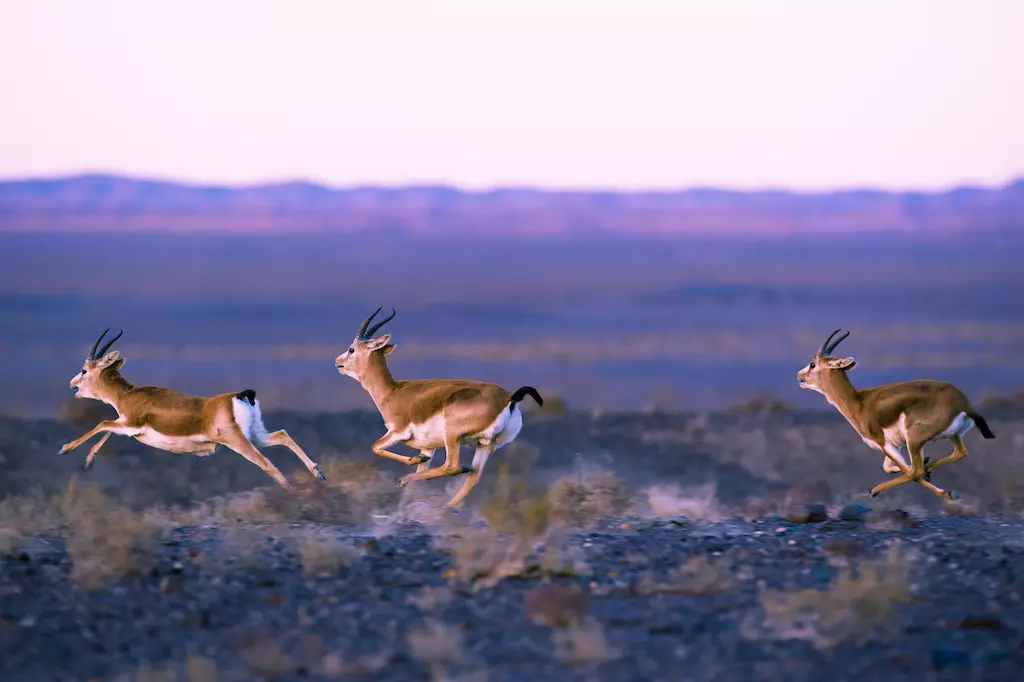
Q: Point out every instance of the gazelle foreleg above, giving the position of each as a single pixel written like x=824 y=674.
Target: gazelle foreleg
x=96 y=448
x=425 y=464
x=282 y=438
x=915 y=473
x=381 y=445
x=106 y=425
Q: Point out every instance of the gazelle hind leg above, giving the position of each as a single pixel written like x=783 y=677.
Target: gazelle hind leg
x=240 y=444
x=480 y=457
x=959 y=452
x=282 y=438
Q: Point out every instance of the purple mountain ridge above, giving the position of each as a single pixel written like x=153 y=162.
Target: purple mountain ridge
x=108 y=202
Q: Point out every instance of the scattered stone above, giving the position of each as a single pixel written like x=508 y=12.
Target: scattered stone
x=806 y=493
x=980 y=623
x=891 y=519
x=171 y=584
x=942 y=658
x=808 y=513
x=556 y=606
x=854 y=512
x=843 y=548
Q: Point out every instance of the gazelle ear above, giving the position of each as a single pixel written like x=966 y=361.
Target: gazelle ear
x=378 y=343
x=841 y=363
x=386 y=350
x=108 y=359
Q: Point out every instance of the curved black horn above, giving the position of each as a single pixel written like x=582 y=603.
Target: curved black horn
x=108 y=344
x=374 y=328
x=366 y=323
x=830 y=345
x=92 y=353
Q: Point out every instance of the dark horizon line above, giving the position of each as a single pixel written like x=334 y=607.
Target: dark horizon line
x=1012 y=182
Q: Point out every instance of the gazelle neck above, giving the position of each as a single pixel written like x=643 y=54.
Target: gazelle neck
x=378 y=381
x=841 y=394
x=115 y=387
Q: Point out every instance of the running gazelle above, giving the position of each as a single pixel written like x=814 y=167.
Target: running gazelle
x=896 y=418
x=176 y=422
x=432 y=413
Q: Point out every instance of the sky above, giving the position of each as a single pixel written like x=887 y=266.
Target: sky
x=644 y=94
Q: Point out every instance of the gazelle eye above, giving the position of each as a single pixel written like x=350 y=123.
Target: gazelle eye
x=351 y=350
x=810 y=366
x=83 y=371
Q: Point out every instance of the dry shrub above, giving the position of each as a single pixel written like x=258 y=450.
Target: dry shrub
x=105 y=540
x=556 y=606
x=554 y=407
x=438 y=645
x=583 y=644
x=11 y=541
x=352 y=492
x=761 y=405
x=519 y=539
x=323 y=553
x=581 y=500
x=517 y=508
x=432 y=598
x=696 y=577
x=241 y=508
x=35 y=512
x=670 y=500
x=856 y=608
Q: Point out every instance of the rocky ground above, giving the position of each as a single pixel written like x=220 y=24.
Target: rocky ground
x=638 y=600
x=736 y=546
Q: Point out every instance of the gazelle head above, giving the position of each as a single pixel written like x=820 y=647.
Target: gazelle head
x=365 y=350
x=823 y=368
x=89 y=381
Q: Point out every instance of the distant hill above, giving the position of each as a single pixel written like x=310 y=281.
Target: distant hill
x=105 y=202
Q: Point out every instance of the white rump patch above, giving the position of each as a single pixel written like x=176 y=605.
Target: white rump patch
x=250 y=420
x=430 y=434
x=960 y=425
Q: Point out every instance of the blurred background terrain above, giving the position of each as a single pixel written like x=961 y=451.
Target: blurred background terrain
x=696 y=299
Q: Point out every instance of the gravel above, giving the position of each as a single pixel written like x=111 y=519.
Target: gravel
x=656 y=600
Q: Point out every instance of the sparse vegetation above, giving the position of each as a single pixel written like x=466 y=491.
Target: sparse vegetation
x=105 y=540
x=580 y=500
x=698 y=576
x=324 y=554
x=859 y=606
x=671 y=500
x=584 y=644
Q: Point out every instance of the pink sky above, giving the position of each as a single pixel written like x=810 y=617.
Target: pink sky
x=565 y=93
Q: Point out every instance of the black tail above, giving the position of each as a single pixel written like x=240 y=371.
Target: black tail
x=522 y=393
x=247 y=394
x=982 y=425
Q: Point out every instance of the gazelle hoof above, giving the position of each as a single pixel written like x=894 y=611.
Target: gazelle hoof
x=321 y=475
x=951 y=495
x=466 y=470
x=874 y=494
